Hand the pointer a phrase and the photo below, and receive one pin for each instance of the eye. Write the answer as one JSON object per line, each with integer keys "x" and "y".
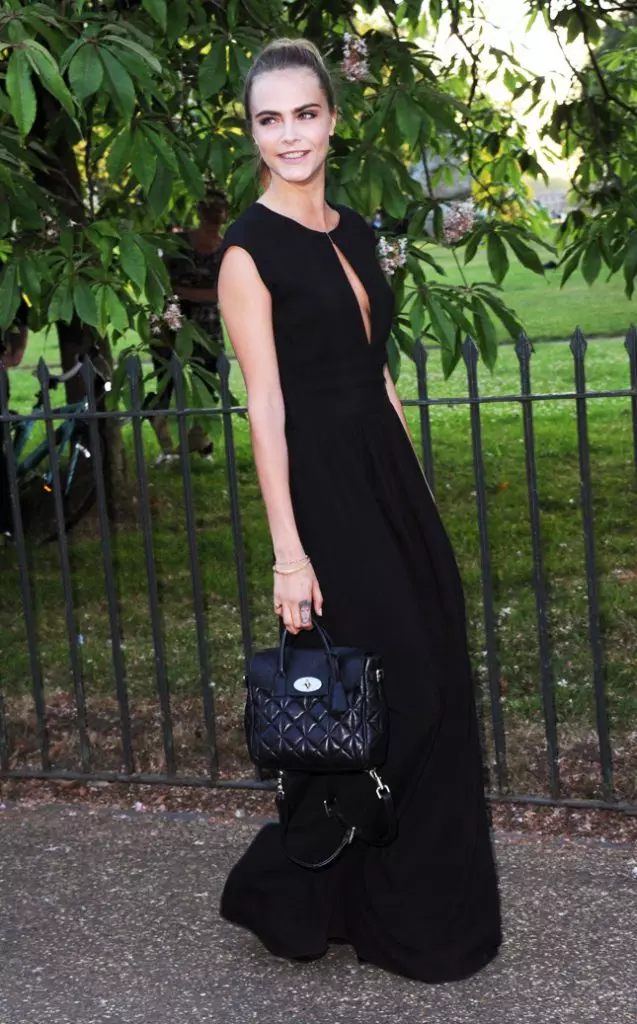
{"x": 307, "y": 113}
{"x": 266, "y": 120}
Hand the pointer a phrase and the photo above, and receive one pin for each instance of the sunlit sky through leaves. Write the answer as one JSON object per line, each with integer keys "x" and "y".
{"x": 537, "y": 50}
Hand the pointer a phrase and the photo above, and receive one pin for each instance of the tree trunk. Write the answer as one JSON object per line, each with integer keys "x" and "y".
{"x": 62, "y": 178}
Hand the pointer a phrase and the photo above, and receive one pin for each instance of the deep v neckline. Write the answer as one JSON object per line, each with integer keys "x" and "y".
{"x": 340, "y": 256}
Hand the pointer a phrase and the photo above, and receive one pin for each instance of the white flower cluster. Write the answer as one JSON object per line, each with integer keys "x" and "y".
{"x": 172, "y": 317}
{"x": 392, "y": 253}
{"x": 354, "y": 64}
{"x": 459, "y": 218}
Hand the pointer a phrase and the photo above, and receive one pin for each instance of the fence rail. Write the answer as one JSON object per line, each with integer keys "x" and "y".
{"x": 86, "y": 425}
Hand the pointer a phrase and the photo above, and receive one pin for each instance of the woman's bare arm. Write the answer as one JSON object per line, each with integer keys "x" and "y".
{"x": 395, "y": 401}
{"x": 246, "y": 308}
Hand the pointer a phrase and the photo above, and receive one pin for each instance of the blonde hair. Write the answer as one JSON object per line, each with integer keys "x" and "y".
{"x": 279, "y": 55}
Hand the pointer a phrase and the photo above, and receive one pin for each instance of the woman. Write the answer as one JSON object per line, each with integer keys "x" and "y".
{"x": 308, "y": 310}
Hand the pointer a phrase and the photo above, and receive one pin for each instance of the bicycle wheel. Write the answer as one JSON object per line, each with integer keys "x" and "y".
{"x": 77, "y": 482}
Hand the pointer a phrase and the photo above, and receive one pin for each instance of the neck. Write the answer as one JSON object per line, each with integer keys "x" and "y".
{"x": 303, "y": 202}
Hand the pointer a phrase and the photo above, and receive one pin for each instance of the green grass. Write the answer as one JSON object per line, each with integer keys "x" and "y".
{"x": 614, "y": 493}
{"x": 546, "y": 310}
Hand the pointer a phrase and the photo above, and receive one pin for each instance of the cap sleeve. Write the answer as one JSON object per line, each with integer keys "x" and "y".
{"x": 244, "y": 233}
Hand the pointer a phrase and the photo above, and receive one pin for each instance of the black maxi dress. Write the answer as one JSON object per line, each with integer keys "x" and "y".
{"x": 427, "y": 905}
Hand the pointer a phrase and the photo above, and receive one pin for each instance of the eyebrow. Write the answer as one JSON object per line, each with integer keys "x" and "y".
{"x": 297, "y": 110}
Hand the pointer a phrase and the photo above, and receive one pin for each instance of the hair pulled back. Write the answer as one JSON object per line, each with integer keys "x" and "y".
{"x": 279, "y": 55}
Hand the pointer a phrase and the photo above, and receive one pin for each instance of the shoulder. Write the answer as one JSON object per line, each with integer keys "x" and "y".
{"x": 247, "y": 232}
{"x": 245, "y": 228}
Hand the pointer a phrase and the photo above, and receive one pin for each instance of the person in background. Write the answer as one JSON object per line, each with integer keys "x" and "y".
{"x": 377, "y": 219}
{"x": 193, "y": 276}
{"x": 13, "y": 343}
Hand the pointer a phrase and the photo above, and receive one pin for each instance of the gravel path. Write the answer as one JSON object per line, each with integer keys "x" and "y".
{"x": 109, "y": 916}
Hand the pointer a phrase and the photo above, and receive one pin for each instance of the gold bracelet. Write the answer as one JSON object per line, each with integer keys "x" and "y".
{"x": 287, "y": 572}
{"x": 293, "y": 561}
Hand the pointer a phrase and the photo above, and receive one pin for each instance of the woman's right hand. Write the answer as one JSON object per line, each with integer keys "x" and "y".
{"x": 294, "y": 595}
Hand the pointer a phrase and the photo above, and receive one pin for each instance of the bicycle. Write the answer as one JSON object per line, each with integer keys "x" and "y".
{"x": 75, "y": 455}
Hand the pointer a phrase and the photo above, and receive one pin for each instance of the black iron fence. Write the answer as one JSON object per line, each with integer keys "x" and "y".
{"x": 65, "y": 474}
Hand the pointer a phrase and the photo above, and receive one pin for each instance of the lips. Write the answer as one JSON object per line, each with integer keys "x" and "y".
{"x": 293, "y": 155}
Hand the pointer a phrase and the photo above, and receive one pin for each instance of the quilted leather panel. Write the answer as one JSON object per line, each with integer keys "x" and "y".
{"x": 288, "y": 731}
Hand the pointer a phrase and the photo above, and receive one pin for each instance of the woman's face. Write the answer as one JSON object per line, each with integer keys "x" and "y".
{"x": 291, "y": 122}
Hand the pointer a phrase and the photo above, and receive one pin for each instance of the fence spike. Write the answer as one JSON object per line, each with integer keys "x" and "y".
{"x": 42, "y": 373}
{"x": 421, "y": 355}
{"x": 223, "y": 366}
{"x": 470, "y": 351}
{"x": 523, "y": 348}
{"x": 579, "y": 344}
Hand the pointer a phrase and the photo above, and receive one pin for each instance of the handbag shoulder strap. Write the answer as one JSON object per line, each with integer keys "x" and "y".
{"x": 384, "y": 836}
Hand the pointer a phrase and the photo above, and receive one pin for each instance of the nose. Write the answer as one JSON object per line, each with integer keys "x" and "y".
{"x": 289, "y": 132}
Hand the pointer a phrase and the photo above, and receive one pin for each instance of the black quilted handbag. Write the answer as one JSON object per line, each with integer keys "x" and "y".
{"x": 319, "y": 710}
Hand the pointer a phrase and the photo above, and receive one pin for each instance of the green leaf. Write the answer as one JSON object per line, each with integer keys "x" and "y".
{"x": 417, "y": 317}
{"x": 592, "y": 262}
{"x": 425, "y": 257}
{"x": 178, "y": 21}
{"x": 442, "y": 326}
{"x": 471, "y": 247}
{"x": 133, "y": 260}
{"x": 184, "y": 343}
{"x": 161, "y": 146}
{"x": 409, "y": 118}
{"x": 191, "y": 175}
{"x": 157, "y": 11}
{"x": 30, "y": 278}
{"x": 571, "y": 265}
{"x": 212, "y": 72}
{"x": 505, "y": 315}
{"x": 119, "y": 155}
{"x": 84, "y": 302}
{"x": 449, "y": 359}
{"x": 574, "y": 28}
{"x": 527, "y": 256}
{"x": 485, "y": 331}
{"x": 48, "y": 72}
{"x": 143, "y": 160}
{"x": 5, "y": 215}
{"x": 69, "y": 53}
{"x": 416, "y": 225}
{"x": 86, "y": 72}
{"x": 497, "y": 257}
{"x": 9, "y": 295}
{"x": 439, "y": 223}
{"x": 21, "y": 91}
{"x": 140, "y": 51}
{"x": 160, "y": 190}
{"x": 61, "y": 304}
{"x": 154, "y": 291}
{"x": 115, "y": 309}
{"x": 630, "y": 263}
{"x": 154, "y": 261}
{"x": 119, "y": 83}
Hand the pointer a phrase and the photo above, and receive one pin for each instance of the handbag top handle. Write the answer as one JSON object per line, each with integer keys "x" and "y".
{"x": 324, "y": 635}
{"x": 337, "y": 697}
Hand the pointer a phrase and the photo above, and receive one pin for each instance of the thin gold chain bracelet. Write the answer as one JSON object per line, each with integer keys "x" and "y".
{"x": 287, "y": 572}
